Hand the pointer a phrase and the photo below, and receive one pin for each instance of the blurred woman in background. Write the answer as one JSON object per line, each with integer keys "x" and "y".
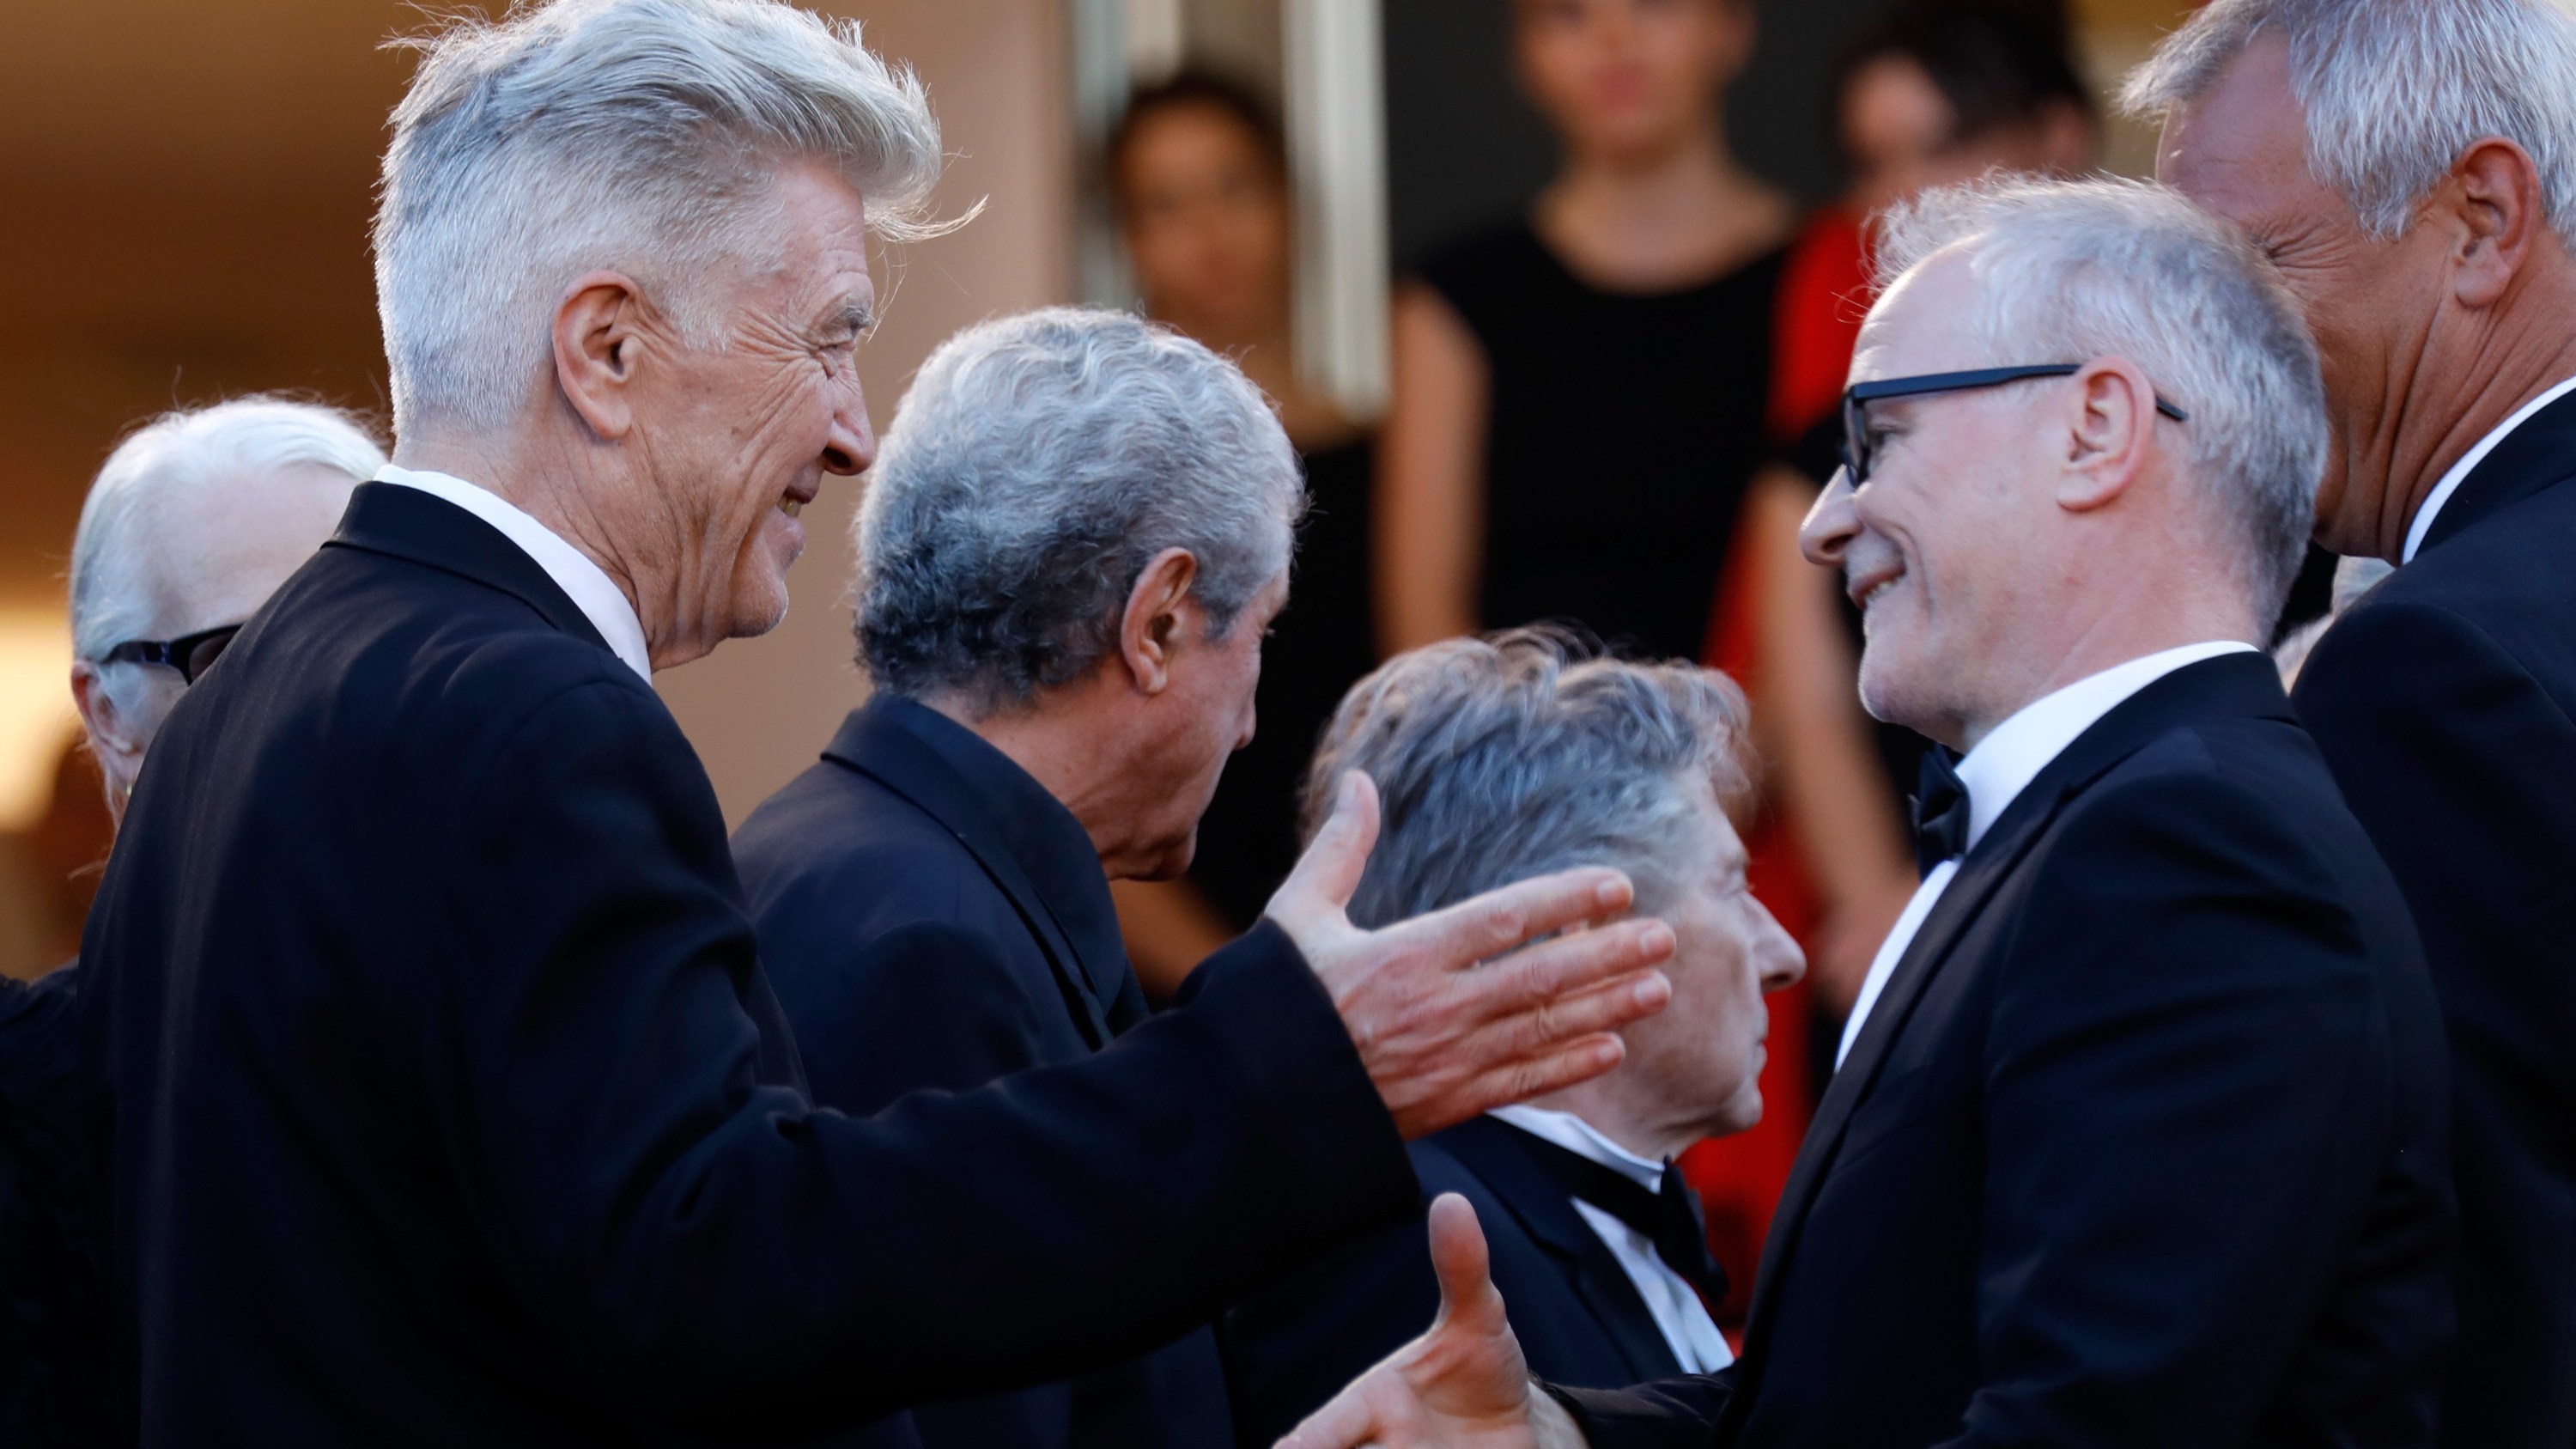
{"x": 1198, "y": 173}
{"x": 1582, "y": 406}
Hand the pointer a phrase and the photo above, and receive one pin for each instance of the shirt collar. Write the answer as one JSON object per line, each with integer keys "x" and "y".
{"x": 2010, "y": 758}
{"x": 584, "y": 582}
{"x": 1584, "y": 1140}
{"x": 2469, "y": 461}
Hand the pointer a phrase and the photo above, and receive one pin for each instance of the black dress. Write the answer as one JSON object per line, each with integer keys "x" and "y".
{"x": 1318, "y": 647}
{"x": 1624, "y": 429}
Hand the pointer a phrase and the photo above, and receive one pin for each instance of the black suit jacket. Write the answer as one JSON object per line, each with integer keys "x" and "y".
{"x": 446, "y": 1101}
{"x": 2144, "y": 1142}
{"x": 934, "y": 918}
{"x": 1577, "y": 1313}
{"x": 54, "y": 1384}
{"x": 2445, "y": 701}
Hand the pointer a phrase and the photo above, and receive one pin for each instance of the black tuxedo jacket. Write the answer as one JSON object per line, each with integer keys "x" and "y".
{"x": 2445, "y": 702}
{"x": 1577, "y": 1313}
{"x": 446, "y": 1101}
{"x": 2143, "y": 1144}
{"x": 934, "y": 918}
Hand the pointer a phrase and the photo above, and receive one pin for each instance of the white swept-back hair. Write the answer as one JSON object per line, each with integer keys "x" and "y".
{"x": 634, "y": 135}
{"x": 2069, "y": 271}
{"x": 2395, "y": 90}
{"x": 231, "y": 445}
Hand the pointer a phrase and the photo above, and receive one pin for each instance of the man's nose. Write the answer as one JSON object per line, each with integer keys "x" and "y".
{"x": 1831, "y": 523}
{"x": 1783, "y": 961}
{"x": 852, "y": 444}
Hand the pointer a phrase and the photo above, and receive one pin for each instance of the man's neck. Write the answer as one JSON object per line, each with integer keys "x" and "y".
{"x": 1059, "y": 750}
{"x": 542, "y": 483}
{"x": 2527, "y": 346}
{"x": 2118, "y": 635}
{"x": 1609, "y": 1106}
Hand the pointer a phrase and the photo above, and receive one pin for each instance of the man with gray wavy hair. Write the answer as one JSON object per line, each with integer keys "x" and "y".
{"x": 1071, "y": 546}
{"x": 445, "y": 1096}
{"x": 2411, "y": 167}
{"x": 2138, "y": 1134}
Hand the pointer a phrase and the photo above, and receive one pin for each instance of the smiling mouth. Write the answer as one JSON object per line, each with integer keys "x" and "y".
{"x": 791, "y": 505}
{"x": 1874, "y": 592}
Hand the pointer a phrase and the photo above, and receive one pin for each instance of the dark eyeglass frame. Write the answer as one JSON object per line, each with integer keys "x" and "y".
{"x": 1855, "y": 445}
{"x": 191, "y": 654}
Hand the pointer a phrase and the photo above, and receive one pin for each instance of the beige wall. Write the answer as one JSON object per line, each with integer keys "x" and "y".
{"x": 759, "y": 710}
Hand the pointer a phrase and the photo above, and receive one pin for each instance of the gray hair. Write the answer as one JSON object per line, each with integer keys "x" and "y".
{"x": 639, "y": 135}
{"x": 1034, "y": 468}
{"x": 2074, "y": 270}
{"x": 2395, "y": 90}
{"x": 1525, "y": 752}
{"x": 187, "y": 451}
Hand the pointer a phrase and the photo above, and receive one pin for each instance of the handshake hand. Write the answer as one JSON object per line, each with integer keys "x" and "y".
{"x": 1447, "y": 1030}
{"x": 1463, "y": 1385}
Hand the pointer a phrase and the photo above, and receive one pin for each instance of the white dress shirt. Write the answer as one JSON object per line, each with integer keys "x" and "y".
{"x": 2468, "y": 463}
{"x": 584, "y": 582}
{"x": 1996, "y": 771}
{"x": 1682, "y": 1318}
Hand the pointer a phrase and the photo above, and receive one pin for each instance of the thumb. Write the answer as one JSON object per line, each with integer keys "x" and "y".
{"x": 1468, "y": 1299}
{"x": 1328, "y": 874}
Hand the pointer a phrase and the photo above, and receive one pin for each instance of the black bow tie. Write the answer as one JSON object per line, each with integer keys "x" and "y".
{"x": 1668, "y": 1218}
{"x": 1940, "y": 812}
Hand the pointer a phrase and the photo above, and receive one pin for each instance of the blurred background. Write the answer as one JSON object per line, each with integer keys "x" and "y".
{"x": 1555, "y": 296}
{"x": 189, "y": 185}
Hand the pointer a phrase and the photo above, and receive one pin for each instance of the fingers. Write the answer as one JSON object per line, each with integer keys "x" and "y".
{"x": 1550, "y": 1071}
{"x": 1608, "y": 968}
{"x": 1468, "y": 1298}
{"x": 1495, "y": 922}
{"x": 1328, "y": 873}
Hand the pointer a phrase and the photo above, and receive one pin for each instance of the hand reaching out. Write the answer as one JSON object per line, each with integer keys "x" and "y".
{"x": 1463, "y": 1385}
{"x": 1446, "y": 1029}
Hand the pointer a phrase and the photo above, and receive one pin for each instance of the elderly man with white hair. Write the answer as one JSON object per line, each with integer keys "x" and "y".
{"x": 2139, "y": 1134}
{"x": 445, "y": 1097}
{"x": 2411, "y": 166}
{"x": 193, "y": 522}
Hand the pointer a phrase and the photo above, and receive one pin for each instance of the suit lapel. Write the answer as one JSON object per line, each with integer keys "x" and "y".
{"x": 2230, "y": 685}
{"x": 879, "y": 747}
{"x": 407, "y": 523}
{"x": 2538, "y": 455}
{"x": 1492, "y": 1149}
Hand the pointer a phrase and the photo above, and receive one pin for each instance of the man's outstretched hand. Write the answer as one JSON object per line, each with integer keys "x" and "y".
{"x": 1448, "y": 1031}
{"x": 1463, "y": 1385}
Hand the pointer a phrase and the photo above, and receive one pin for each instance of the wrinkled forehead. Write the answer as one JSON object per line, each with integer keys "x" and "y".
{"x": 1923, "y": 322}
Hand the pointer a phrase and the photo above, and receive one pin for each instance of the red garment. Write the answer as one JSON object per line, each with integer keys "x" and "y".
{"x": 1824, "y": 293}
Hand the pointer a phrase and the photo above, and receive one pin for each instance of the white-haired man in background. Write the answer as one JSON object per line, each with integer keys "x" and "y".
{"x": 446, "y": 1099}
{"x": 192, "y": 523}
{"x": 2411, "y": 167}
{"x": 2138, "y": 1138}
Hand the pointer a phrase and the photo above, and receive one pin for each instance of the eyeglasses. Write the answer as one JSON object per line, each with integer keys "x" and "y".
{"x": 1856, "y": 448}
{"x": 191, "y": 654}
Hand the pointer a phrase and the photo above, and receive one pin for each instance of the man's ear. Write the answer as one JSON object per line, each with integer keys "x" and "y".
{"x": 1157, "y": 608}
{"x": 601, "y": 330}
{"x": 2110, "y": 422}
{"x": 2493, "y": 195}
{"x": 117, "y": 741}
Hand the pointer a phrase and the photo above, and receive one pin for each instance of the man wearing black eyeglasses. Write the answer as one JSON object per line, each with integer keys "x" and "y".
{"x": 192, "y": 523}
{"x": 2139, "y": 1136}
